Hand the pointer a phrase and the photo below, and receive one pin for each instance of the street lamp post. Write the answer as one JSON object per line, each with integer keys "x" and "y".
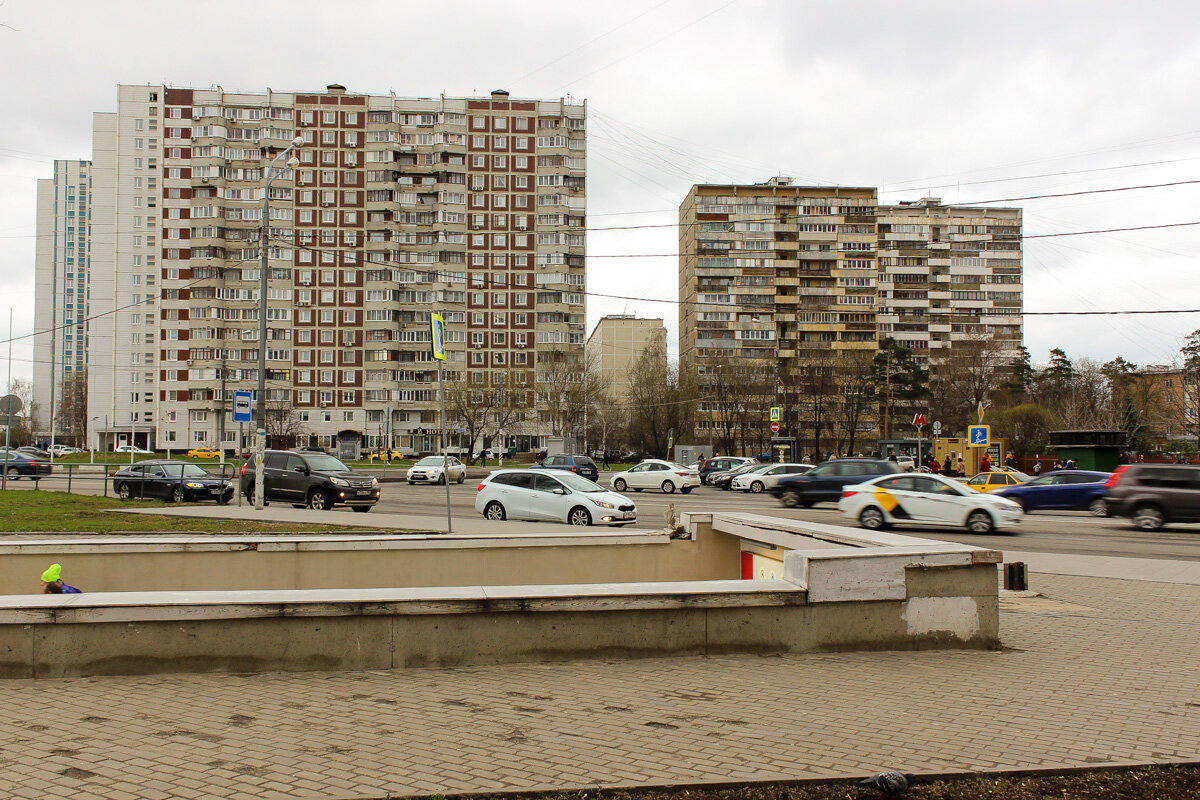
{"x": 260, "y": 445}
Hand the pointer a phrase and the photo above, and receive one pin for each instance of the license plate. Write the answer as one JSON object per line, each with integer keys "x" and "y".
{"x": 363, "y": 491}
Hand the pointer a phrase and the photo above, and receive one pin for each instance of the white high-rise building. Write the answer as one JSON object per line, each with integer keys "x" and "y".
{"x": 61, "y": 285}
{"x": 469, "y": 206}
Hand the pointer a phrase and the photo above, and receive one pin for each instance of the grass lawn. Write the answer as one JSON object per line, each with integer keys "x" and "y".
{"x": 71, "y": 513}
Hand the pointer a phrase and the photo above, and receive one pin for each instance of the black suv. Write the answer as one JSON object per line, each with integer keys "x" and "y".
{"x": 824, "y": 482}
{"x": 310, "y": 479}
{"x": 1154, "y": 494}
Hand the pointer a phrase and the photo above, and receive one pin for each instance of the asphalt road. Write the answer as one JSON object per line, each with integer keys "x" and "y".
{"x": 1074, "y": 532}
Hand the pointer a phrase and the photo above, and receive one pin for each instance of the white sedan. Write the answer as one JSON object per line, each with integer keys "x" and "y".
{"x": 129, "y": 448}
{"x": 434, "y": 469}
{"x": 925, "y": 500}
{"x": 551, "y": 495}
{"x": 766, "y": 476}
{"x": 655, "y": 474}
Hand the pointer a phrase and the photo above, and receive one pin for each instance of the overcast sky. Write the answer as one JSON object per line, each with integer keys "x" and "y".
{"x": 961, "y": 100}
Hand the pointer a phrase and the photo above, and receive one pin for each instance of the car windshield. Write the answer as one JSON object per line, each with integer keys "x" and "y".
{"x": 760, "y": 468}
{"x": 184, "y": 471}
{"x": 327, "y": 464}
{"x": 431, "y": 461}
{"x": 745, "y": 468}
{"x": 579, "y": 483}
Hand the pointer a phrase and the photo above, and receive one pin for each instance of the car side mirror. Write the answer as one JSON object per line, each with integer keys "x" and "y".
{"x": 558, "y": 491}
{"x": 302, "y": 469}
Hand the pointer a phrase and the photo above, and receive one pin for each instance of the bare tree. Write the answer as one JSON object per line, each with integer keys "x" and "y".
{"x": 283, "y": 425}
{"x": 810, "y": 393}
{"x": 482, "y": 407}
{"x": 855, "y": 381}
{"x": 967, "y": 375}
{"x": 662, "y": 398}
{"x": 567, "y": 385}
{"x": 738, "y": 391}
{"x": 72, "y": 409}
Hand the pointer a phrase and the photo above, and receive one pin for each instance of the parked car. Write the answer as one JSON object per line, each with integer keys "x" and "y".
{"x": 1154, "y": 495}
{"x": 720, "y": 464}
{"x": 907, "y": 463}
{"x": 992, "y": 481}
{"x": 315, "y": 480}
{"x": 925, "y": 500}
{"x": 17, "y": 465}
{"x": 764, "y": 477}
{"x": 434, "y": 469}
{"x": 656, "y": 474}
{"x": 173, "y": 481}
{"x": 580, "y": 465}
{"x": 1064, "y": 489}
{"x": 60, "y": 450}
{"x": 824, "y": 482}
{"x": 129, "y": 448}
{"x": 382, "y": 455}
{"x": 547, "y": 495}
{"x": 34, "y": 452}
{"x": 723, "y": 480}
{"x": 203, "y": 452}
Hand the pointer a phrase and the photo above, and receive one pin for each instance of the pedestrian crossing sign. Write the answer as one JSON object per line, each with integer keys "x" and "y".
{"x": 979, "y": 435}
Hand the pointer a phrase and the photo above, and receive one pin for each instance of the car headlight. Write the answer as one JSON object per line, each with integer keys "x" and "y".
{"x": 338, "y": 482}
{"x": 602, "y": 503}
{"x": 374, "y": 482}
{"x": 191, "y": 485}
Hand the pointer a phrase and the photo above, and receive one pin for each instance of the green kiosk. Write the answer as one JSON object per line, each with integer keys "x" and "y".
{"x": 1094, "y": 450}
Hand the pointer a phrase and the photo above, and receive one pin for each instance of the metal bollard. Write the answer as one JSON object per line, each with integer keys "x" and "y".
{"x": 1016, "y": 576}
{"x": 69, "y": 470}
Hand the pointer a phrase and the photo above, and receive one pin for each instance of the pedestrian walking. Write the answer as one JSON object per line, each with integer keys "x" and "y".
{"x": 604, "y": 458}
{"x": 1037, "y": 468}
{"x": 52, "y": 582}
{"x": 985, "y": 465}
{"x": 961, "y": 466}
{"x": 934, "y": 465}
{"x": 1010, "y": 460}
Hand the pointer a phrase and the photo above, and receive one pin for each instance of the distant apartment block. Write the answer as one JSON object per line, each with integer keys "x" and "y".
{"x": 474, "y": 207}
{"x": 617, "y": 344}
{"x": 61, "y": 286}
{"x": 788, "y": 277}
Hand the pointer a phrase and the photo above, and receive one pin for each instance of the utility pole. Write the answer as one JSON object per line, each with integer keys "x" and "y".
{"x": 264, "y": 268}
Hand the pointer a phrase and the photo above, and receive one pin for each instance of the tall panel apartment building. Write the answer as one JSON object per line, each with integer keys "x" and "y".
{"x": 469, "y": 206}
{"x": 949, "y": 273}
{"x": 617, "y": 344}
{"x": 793, "y": 278}
{"x": 61, "y": 273}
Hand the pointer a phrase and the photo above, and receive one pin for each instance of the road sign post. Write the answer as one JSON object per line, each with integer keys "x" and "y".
{"x": 979, "y": 435}
{"x": 437, "y": 339}
{"x": 775, "y": 416}
{"x": 774, "y": 427}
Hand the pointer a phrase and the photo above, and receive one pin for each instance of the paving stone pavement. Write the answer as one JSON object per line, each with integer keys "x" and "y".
{"x": 1095, "y": 671}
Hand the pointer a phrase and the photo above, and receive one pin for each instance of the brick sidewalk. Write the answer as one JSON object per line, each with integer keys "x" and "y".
{"x": 1098, "y": 671}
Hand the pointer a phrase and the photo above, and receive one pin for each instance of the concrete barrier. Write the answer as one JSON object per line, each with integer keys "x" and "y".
{"x": 840, "y": 590}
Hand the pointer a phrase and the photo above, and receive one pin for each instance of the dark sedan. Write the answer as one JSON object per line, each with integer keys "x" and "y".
{"x": 173, "y": 481}
{"x": 16, "y": 465}
{"x": 1068, "y": 489}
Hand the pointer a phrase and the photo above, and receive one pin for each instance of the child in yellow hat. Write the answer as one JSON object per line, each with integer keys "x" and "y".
{"x": 52, "y": 582}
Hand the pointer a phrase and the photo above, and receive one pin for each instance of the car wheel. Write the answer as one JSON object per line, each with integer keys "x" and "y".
{"x": 177, "y": 495}
{"x": 495, "y": 511}
{"x": 1098, "y": 507}
{"x": 790, "y": 498}
{"x": 668, "y": 487}
{"x": 685, "y": 489}
{"x": 872, "y": 519}
{"x": 124, "y": 492}
{"x": 757, "y": 487}
{"x": 410, "y": 483}
{"x": 317, "y": 501}
{"x": 579, "y": 516}
{"x": 979, "y": 522}
{"x": 442, "y": 480}
{"x": 361, "y": 509}
{"x": 620, "y": 485}
{"x": 1148, "y": 518}
{"x": 462, "y": 477}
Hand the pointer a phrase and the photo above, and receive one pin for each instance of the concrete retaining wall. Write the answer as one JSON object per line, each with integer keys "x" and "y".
{"x": 234, "y": 563}
{"x": 852, "y": 591}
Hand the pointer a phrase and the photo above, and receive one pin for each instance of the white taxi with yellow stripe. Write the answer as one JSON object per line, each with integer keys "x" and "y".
{"x": 920, "y": 499}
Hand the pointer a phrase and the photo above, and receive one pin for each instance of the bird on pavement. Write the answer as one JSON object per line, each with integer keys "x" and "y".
{"x": 891, "y": 782}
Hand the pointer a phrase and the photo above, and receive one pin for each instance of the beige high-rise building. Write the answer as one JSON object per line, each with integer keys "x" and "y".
{"x": 784, "y": 290}
{"x": 472, "y": 206}
{"x": 617, "y": 344}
